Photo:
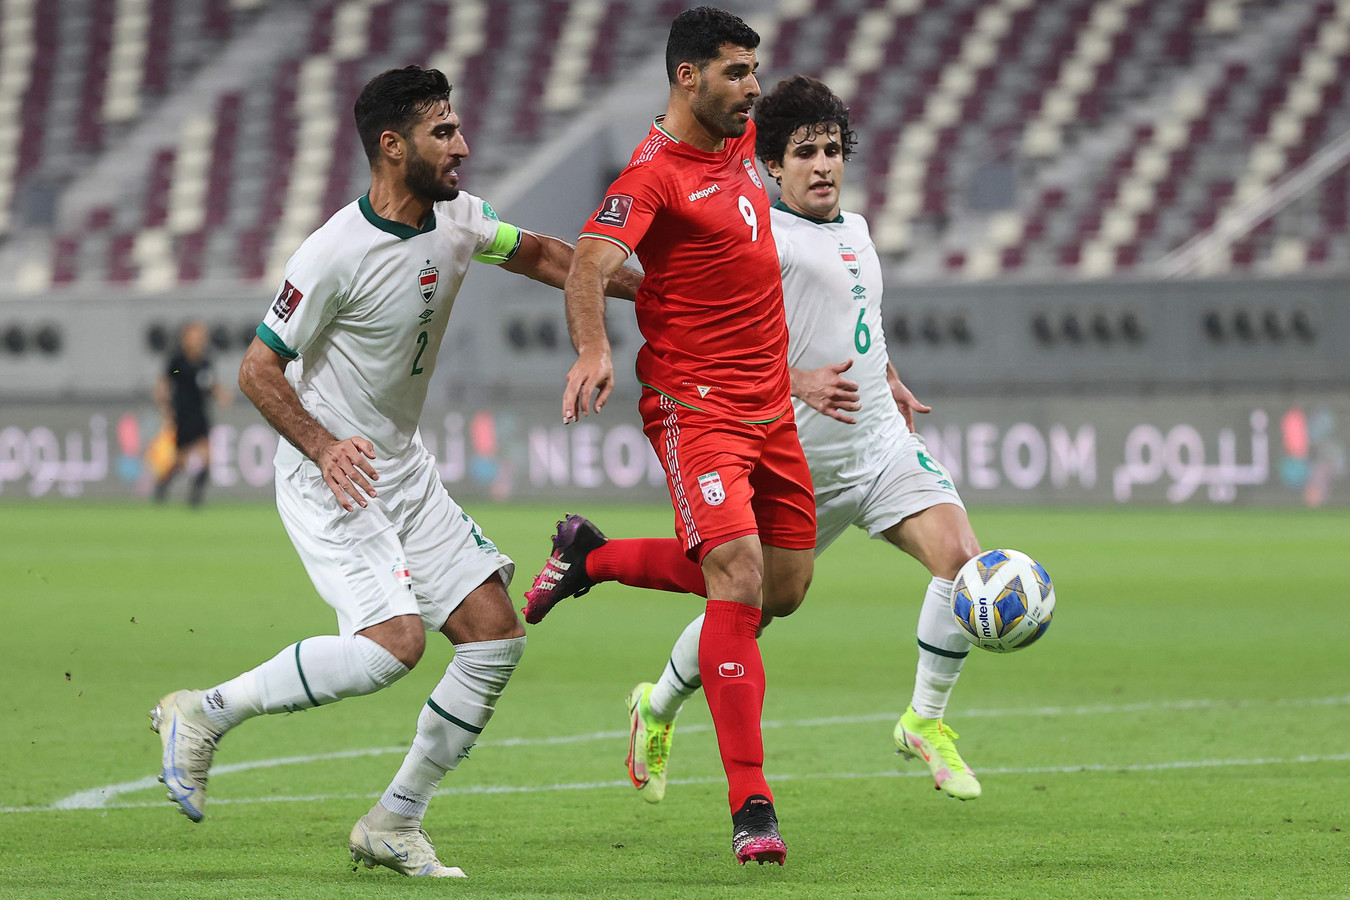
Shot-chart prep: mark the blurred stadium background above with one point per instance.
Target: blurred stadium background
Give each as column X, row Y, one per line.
column 1116, row 232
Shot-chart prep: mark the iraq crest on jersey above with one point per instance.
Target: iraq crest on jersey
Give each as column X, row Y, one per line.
column 850, row 260
column 427, row 280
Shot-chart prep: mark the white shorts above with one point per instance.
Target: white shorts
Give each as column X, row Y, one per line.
column 410, row 551
column 906, row 481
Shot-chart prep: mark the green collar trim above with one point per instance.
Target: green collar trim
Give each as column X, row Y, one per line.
column 397, row 229
column 779, row 204
column 656, row 123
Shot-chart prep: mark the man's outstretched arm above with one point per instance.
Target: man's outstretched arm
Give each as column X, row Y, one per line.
column 548, row 259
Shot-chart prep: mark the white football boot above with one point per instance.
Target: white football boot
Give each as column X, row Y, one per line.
column 406, row 852
column 189, row 740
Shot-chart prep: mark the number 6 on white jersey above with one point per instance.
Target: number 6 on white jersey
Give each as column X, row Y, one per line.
column 748, row 214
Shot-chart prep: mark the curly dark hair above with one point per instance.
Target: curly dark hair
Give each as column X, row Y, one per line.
column 394, row 100
column 794, row 102
column 697, row 36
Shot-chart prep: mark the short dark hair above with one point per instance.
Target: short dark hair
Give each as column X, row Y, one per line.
column 394, row 100
column 794, row 102
column 697, row 36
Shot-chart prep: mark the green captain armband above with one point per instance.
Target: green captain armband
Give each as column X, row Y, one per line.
column 504, row 246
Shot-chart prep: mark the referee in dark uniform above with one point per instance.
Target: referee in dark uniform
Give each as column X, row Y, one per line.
column 183, row 392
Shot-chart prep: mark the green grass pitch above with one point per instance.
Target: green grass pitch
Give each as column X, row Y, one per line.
column 1183, row 730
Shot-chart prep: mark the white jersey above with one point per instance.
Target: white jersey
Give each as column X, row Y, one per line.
column 832, row 293
column 364, row 308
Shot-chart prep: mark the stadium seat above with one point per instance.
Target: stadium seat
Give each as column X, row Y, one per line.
column 1127, row 127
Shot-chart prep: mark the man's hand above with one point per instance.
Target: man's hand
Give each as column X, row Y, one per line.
column 593, row 371
column 345, row 466
column 904, row 398
column 827, row 391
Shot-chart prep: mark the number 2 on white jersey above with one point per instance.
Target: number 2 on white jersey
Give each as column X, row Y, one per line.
column 748, row 214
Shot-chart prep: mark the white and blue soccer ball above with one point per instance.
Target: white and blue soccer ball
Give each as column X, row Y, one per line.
column 1003, row 600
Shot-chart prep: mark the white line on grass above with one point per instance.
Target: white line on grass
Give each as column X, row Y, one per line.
column 810, row 776
column 103, row 797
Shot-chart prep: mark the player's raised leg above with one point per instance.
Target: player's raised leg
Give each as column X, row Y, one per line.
column 941, row 538
column 489, row 642
column 582, row 557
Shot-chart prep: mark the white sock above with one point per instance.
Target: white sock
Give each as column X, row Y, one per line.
column 456, row 713
column 942, row 651
column 315, row 671
column 680, row 680
column 410, row 791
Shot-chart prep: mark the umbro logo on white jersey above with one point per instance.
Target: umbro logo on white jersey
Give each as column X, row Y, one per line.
column 699, row 195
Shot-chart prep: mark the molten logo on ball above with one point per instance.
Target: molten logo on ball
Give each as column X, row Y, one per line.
column 1003, row 600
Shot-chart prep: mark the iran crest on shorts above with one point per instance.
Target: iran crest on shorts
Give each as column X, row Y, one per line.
column 713, row 492
column 426, row 282
column 850, row 260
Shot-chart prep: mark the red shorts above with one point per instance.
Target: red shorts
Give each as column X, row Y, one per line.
column 728, row 479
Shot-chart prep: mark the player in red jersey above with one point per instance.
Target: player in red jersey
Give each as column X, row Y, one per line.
column 716, row 399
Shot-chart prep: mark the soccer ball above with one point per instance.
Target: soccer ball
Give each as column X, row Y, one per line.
column 1003, row 600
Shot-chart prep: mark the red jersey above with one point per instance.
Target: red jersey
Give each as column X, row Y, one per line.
column 711, row 302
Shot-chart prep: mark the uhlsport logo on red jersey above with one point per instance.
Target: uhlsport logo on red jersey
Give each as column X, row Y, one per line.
column 427, row 280
column 287, row 300
column 731, row 670
column 754, row 174
column 850, row 260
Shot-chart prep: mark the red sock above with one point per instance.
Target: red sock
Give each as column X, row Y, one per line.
column 657, row 563
column 733, row 682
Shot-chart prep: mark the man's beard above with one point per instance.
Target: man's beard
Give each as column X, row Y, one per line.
column 421, row 179
column 718, row 119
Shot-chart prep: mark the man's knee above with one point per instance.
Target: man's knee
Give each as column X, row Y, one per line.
column 953, row 553
column 485, row 615
column 403, row 636
column 734, row 571
column 785, row 597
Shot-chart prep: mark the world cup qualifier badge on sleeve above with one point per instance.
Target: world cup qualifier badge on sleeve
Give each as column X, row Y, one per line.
column 711, row 485
column 614, row 211
column 288, row 298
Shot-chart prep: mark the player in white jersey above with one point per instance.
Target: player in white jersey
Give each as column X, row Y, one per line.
column 340, row 367
column 868, row 467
